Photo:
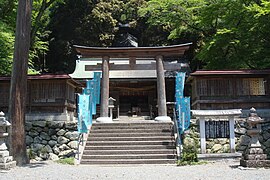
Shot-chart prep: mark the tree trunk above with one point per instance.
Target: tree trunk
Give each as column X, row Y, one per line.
column 18, row 85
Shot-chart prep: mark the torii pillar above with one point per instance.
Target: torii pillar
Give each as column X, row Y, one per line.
column 161, row 91
column 104, row 104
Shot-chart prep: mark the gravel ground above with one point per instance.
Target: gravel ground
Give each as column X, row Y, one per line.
column 225, row 169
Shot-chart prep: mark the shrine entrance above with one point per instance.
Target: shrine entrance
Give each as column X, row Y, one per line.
column 134, row 97
column 134, row 106
column 134, row 76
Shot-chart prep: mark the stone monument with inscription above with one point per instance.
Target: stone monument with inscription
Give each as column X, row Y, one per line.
column 254, row 156
column 6, row 161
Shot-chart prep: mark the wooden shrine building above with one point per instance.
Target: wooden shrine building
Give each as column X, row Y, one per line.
column 49, row 97
column 137, row 77
column 234, row 89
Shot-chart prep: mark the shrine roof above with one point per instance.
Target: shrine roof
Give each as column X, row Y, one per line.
column 47, row 77
column 41, row 76
column 174, row 50
column 231, row 72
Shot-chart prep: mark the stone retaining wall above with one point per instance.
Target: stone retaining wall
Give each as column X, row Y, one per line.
column 54, row 139
column 51, row 139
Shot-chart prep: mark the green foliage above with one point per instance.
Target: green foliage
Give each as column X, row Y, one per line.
column 227, row 34
column 69, row 161
column 39, row 34
column 7, row 26
column 8, row 12
column 190, row 150
column 31, row 154
column 93, row 23
column 6, row 50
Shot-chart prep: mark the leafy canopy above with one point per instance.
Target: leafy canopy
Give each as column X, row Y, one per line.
column 229, row 34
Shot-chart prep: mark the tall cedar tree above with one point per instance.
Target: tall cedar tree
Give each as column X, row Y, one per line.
column 18, row 87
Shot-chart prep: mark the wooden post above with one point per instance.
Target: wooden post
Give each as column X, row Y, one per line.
column 104, row 87
column 18, row 85
column 161, row 91
column 232, row 135
column 104, row 104
column 132, row 62
column 202, row 134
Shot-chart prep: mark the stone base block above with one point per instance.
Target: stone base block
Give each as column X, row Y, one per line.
column 255, row 163
column 6, row 159
column 255, row 157
column 253, row 151
column 4, row 153
column 104, row 120
column 163, row 119
column 8, row 165
column 50, row 117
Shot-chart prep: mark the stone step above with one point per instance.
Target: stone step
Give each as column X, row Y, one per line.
column 133, row 124
column 130, row 143
column 130, row 127
column 129, row 151
column 133, row 134
column 150, row 138
column 130, row 156
column 127, row 161
column 121, row 143
column 128, row 147
column 156, row 130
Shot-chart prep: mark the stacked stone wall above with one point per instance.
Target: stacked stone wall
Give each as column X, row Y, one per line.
column 51, row 140
column 54, row 139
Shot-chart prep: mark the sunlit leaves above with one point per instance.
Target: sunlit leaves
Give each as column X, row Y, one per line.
column 230, row 34
column 6, row 50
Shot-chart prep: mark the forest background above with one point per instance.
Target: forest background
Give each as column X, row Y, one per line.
column 226, row 34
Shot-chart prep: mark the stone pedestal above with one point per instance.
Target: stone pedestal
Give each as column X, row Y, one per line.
column 254, row 156
column 104, row 120
column 163, row 118
column 6, row 161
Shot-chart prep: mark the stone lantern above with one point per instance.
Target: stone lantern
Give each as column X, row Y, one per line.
column 253, row 156
column 6, row 161
column 111, row 106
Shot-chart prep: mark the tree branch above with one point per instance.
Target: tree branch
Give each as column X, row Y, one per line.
column 41, row 11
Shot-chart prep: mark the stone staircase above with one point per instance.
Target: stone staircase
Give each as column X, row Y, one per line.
column 130, row 143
